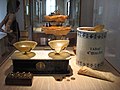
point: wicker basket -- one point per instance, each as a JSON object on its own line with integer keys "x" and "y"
{"x": 56, "y": 18}
{"x": 57, "y": 31}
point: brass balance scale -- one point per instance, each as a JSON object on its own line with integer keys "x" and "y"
{"x": 55, "y": 61}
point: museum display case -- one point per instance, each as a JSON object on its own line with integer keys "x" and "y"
{"x": 36, "y": 10}
{"x": 84, "y": 57}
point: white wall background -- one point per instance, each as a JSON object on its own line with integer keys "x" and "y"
{"x": 3, "y": 4}
{"x": 107, "y": 12}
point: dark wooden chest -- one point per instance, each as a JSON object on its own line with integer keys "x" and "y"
{"x": 37, "y": 65}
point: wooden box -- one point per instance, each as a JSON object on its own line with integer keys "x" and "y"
{"x": 22, "y": 79}
{"x": 39, "y": 63}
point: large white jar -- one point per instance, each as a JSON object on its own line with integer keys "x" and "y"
{"x": 90, "y": 48}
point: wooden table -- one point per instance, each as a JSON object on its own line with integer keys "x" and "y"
{"x": 48, "y": 82}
